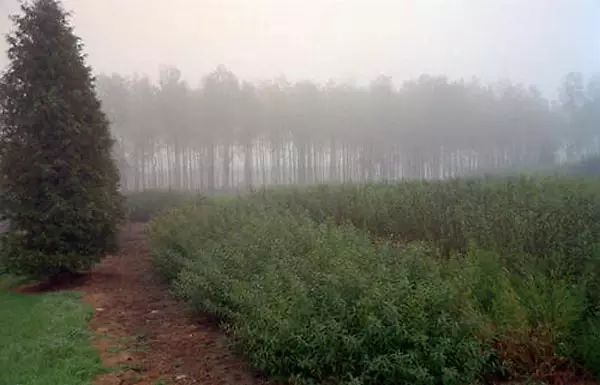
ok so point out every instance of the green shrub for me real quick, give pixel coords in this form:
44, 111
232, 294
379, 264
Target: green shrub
418, 282
538, 216
532, 314
321, 302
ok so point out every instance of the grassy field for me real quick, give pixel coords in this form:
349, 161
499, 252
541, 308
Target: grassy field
44, 339
450, 282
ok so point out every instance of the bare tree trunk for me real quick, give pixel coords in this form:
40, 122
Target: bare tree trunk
226, 166
211, 169
248, 154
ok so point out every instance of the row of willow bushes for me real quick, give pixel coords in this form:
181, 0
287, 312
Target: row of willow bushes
142, 206
424, 283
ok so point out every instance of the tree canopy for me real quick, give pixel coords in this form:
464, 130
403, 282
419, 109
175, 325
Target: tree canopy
227, 133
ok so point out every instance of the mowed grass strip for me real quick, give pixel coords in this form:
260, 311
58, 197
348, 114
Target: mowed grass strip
44, 340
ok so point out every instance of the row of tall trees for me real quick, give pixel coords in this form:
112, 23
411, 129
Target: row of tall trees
580, 103
226, 133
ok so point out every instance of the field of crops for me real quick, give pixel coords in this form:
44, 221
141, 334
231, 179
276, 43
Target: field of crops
454, 282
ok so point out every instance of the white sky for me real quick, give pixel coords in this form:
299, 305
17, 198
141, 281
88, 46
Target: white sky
533, 41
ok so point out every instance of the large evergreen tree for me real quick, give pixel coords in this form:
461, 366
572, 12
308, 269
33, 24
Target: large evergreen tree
59, 183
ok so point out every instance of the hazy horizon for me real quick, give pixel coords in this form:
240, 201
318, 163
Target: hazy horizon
534, 42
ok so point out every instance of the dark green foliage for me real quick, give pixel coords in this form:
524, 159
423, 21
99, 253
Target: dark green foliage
316, 301
418, 282
142, 206
539, 216
59, 181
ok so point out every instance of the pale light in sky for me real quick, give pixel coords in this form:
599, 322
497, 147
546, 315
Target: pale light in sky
532, 41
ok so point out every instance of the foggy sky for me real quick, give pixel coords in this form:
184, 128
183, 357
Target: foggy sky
531, 41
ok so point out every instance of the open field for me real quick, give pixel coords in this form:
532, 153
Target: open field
457, 282
421, 282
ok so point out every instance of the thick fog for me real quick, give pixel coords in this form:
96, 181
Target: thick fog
222, 94
533, 41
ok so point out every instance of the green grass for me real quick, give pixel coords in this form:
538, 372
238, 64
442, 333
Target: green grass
44, 340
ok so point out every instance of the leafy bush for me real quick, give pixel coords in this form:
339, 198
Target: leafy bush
317, 301
419, 282
538, 216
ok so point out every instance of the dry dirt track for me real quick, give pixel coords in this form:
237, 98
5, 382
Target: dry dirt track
150, 335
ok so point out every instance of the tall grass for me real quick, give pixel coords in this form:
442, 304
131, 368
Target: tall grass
419, 282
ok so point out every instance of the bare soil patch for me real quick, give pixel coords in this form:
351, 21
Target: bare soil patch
140, 329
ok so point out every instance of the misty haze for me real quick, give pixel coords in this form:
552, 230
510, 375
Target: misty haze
219, 94
349, 192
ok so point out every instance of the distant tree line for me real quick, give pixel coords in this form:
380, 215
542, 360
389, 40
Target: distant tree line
230, 134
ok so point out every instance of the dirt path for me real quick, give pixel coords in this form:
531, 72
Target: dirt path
148, 334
